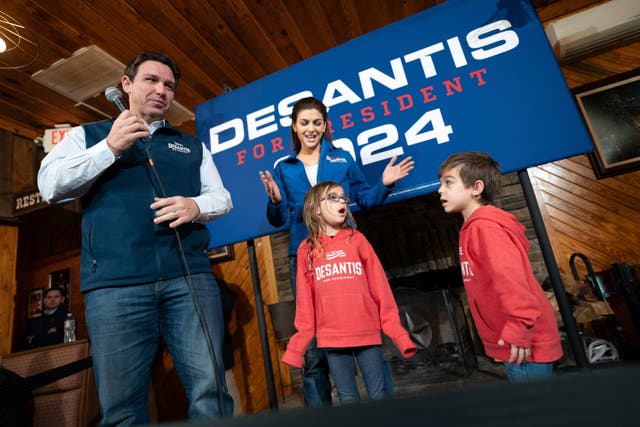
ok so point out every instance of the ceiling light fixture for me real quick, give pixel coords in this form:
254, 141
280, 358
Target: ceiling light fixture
18, 47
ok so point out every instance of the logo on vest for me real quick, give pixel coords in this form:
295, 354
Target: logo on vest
176, 146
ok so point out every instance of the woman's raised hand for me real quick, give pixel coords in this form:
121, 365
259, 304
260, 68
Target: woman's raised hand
393, 172
270, 187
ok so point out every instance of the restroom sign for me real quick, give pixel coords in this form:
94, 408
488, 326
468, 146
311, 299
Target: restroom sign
28, 202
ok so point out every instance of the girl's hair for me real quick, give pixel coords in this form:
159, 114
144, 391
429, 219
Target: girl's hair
314, 223
474, 166
309, 103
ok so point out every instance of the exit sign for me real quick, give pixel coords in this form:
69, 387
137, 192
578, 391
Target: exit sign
53, 136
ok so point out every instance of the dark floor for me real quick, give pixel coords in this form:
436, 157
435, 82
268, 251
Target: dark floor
421, 374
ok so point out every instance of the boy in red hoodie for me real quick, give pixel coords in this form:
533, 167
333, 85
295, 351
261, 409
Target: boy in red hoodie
511, 312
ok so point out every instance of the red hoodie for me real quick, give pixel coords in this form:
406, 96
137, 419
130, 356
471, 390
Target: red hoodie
505, 299
346, 301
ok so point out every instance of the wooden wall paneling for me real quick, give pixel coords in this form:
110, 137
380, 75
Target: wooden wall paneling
610, 63
8, 256
249, 368
582, 214
275, 20
280, 253
181, 32
237, 16
6, 170
25, 164
206, 20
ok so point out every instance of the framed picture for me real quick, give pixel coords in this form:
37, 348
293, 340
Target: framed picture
61, 279
223, 253
34, 303
611, 111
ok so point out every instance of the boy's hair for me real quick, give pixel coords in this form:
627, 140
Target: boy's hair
132, 68
475, 165
310, 209
309, 103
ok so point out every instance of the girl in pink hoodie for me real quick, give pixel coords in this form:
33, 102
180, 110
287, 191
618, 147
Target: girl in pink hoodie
344, 299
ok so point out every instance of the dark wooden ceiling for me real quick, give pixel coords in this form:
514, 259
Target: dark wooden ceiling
217, 43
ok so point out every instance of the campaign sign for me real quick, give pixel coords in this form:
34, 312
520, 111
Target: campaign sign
464, 75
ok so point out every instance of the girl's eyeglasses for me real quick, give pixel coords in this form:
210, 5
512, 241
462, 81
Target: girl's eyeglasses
335, 198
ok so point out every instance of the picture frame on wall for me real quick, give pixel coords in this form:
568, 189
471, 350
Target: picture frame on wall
611, 111
35, 297
61, 279
220, 254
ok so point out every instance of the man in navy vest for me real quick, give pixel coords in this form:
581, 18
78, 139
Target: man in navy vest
146, 190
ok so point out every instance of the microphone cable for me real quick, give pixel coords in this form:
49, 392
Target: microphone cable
194, 294
114, 95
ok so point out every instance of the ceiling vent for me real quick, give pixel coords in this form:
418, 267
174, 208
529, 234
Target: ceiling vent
85, 75
595, 29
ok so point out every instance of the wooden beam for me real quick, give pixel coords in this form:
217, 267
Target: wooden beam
9, 251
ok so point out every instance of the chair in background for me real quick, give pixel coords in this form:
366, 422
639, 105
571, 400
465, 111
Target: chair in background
69, 401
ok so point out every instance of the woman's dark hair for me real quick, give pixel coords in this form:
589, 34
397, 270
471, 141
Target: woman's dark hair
132, 68
309, 103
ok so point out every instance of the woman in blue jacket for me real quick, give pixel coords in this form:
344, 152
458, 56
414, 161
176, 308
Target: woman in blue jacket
314, 160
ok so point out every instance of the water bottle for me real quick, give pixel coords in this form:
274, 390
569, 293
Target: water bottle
69, 328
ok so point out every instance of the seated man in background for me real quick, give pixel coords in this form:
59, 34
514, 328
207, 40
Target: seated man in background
47, 329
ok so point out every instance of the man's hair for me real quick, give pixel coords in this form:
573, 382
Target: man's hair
474, 166
132, 68
309, 103
48, 291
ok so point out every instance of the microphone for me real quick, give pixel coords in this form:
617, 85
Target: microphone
115, 96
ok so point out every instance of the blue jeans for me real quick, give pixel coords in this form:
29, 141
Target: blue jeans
528, 371
125, 324
372, 366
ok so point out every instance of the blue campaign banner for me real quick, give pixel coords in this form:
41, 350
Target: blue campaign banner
464, 75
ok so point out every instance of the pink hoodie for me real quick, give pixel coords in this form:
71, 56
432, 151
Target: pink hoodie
505, 299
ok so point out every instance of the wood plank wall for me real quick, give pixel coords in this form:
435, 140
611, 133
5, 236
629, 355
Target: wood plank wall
598, 218
9, 250
249, 370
